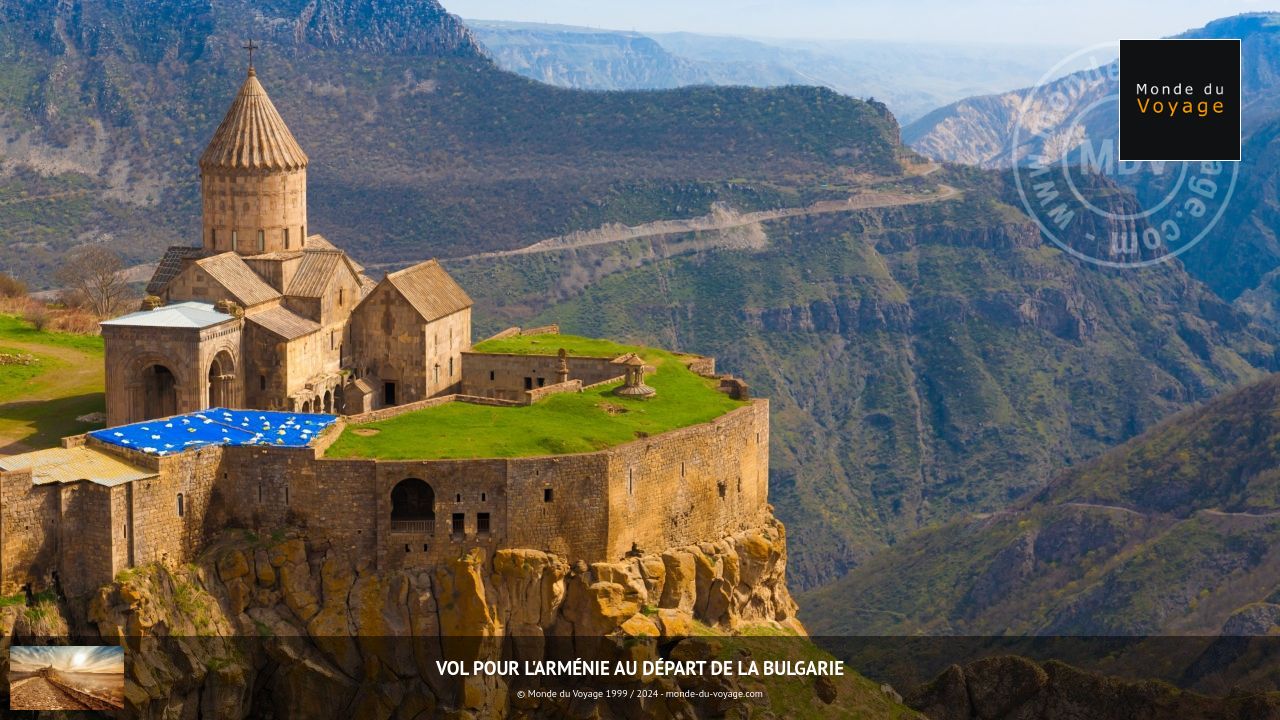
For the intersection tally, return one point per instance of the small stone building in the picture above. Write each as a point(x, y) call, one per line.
point(265, 315)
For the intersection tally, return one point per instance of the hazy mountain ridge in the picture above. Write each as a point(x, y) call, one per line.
point(419, 145)
point(979, 130)
point(1173, 533)
point(911, 78)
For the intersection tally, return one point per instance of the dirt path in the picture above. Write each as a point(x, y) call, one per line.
point(1254, 516)
point(720, 219)
point(1098, 506)
point(50, 196)
point(84, 368)
point(38, 693)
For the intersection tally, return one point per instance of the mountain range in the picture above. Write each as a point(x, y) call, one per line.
point(421, 147)
point(929, 356)
point(1176, 532)
point(980, 130)
point(911, 78)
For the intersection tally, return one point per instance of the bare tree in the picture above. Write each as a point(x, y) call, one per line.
point(97, 275)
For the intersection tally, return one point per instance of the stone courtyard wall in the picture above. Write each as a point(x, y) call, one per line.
point(28, 531)
point(687, 486)
point(502, 376)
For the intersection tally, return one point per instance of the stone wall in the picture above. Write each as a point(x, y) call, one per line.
point(392, 344)
point(28, 532)
point(679, 488)
point(688, 485)
point(245, 202)
point(188, 353)
point(85, 537)
point(508, 376)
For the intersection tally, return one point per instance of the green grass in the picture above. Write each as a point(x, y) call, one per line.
point(566, 423)
point(551, 344)
point(15, 328)
point(16, 379)
point(40, 403)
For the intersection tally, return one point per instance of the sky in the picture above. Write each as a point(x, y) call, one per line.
point(98, 659)
point(1036, 22)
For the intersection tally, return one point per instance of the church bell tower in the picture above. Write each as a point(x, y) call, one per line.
point(253, 179)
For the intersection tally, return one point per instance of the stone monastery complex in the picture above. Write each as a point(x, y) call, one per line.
point(256, 350)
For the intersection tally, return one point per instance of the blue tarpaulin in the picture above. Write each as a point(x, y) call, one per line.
point(217, 426)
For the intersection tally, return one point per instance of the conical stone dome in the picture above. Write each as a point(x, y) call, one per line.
point(253, 136)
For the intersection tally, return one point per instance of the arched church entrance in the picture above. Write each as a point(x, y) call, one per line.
point(413, 507)
point(159, 391)
point(222, 380)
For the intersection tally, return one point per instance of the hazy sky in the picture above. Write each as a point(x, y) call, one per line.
point(78, 658)
point(1040, 22)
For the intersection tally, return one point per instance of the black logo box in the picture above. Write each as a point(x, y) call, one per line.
point(1190, 64)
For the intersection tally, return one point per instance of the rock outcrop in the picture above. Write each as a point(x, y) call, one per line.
point(1011, 687)
point(302, 628)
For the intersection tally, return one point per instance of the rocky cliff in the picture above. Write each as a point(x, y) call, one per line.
point(1014, 687)
point(288, 626)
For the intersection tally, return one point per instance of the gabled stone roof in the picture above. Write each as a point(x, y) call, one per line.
point(253, 136)
point(430, 290)
point(314, 273)
point(170, 265)
point(234, 274)
point(283, 322)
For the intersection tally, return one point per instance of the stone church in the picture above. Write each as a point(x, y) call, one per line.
point(264, 314)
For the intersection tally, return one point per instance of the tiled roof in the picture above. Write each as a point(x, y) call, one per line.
point(178, 315)
point(63, 465)
point(318, 242)
point(170, 265)
point(231, 271)
point(253, 136)
point(283, 322)
point(430, 290)
point(314, 273)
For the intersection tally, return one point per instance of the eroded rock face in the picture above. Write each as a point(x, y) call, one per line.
point(316, 634)
point(1009, 688)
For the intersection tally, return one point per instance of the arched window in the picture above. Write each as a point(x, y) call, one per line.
point(262, 241)
point(181, 508)
point(413, 507)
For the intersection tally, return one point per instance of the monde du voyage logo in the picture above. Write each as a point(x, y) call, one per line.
point(1131, 162)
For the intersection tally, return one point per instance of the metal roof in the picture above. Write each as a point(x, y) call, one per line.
point(64, 465)
point(178, 315)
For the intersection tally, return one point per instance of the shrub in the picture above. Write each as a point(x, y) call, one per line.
point(38, 315)
point(11, 287)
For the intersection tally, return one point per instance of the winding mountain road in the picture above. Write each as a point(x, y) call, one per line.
point(720, 219)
